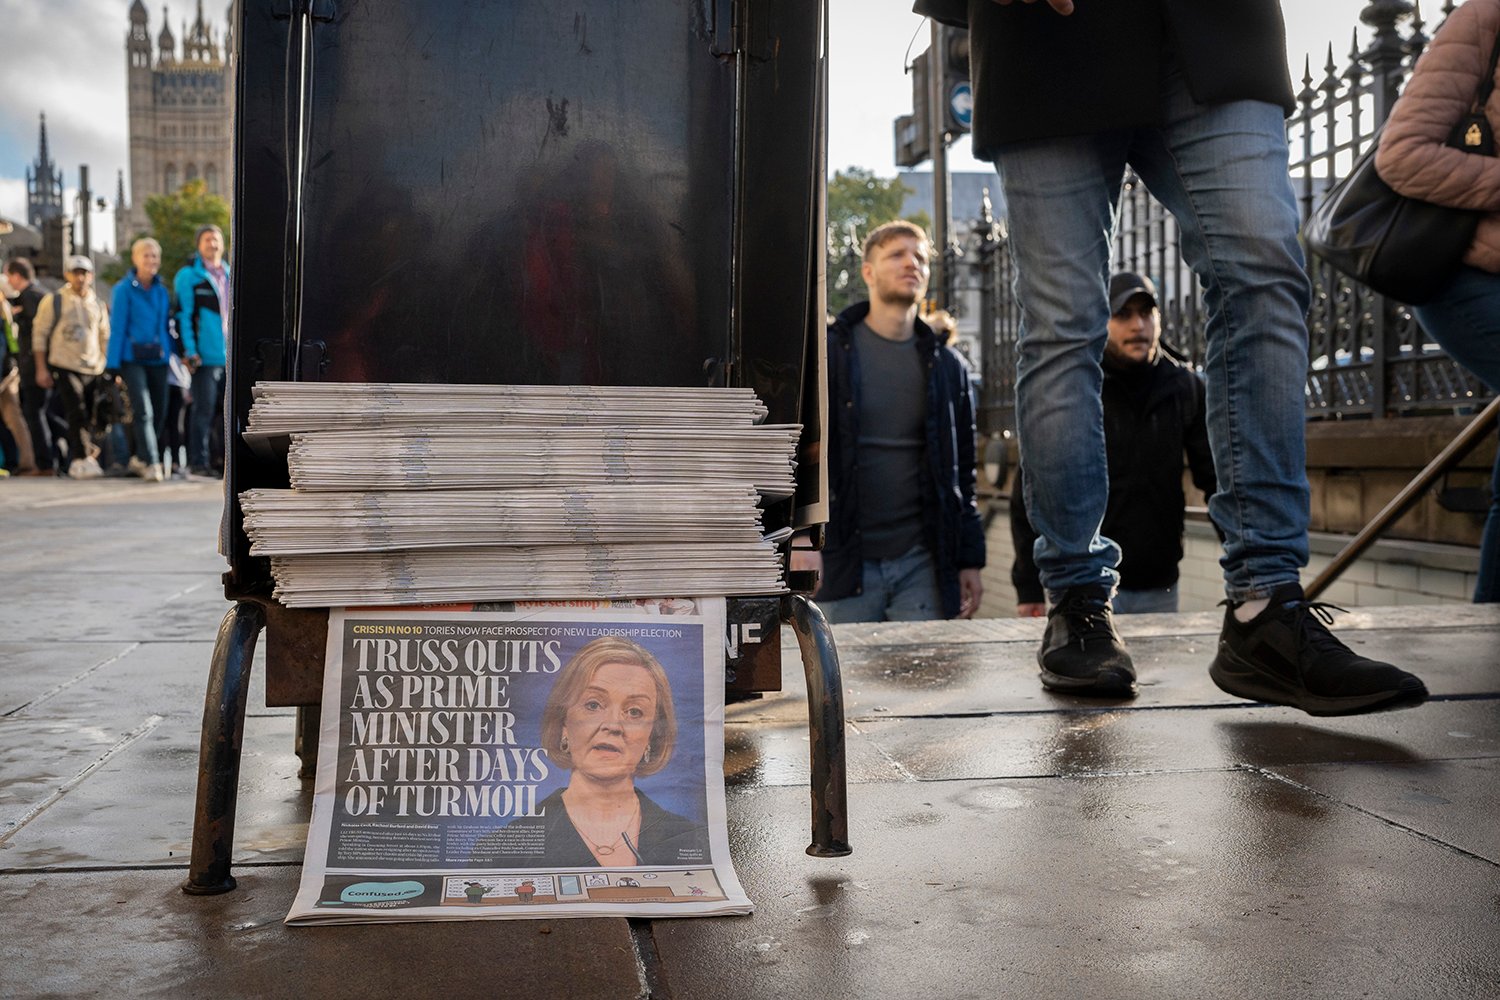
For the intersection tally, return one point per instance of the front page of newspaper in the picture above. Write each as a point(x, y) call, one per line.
point(553, 761)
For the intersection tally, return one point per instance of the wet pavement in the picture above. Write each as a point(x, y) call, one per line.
point(1008, 842)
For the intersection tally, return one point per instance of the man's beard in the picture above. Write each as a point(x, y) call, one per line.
point(1120, 359)
point(904, 300)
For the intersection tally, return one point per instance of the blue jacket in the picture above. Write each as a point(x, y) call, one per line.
point(139, 318)
point(952, 526)
point(198, 317)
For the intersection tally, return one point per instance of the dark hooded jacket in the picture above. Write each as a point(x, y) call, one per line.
point(1153, 416)
point(952, 526)
point(1037, 74)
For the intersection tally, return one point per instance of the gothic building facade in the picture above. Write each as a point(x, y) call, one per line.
point(180, 106)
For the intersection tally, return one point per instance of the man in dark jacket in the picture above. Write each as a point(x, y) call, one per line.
point(21, 277)
point(905, 541)
point(1153, 416)
point(1192, 95)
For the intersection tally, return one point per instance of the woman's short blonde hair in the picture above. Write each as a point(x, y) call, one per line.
point(144, 241)
point(576, 675)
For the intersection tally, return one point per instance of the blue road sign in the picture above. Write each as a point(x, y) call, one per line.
point(961, 104)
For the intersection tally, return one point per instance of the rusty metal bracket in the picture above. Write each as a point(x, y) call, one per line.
point(825, 716)
point(219, 751)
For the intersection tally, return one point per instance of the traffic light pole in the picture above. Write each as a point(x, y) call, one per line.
point(940, 287)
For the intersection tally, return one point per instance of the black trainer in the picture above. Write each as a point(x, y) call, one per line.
point(1081, 651)
point(1286, 655)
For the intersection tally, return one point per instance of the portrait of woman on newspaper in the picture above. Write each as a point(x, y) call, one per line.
point(608, 720)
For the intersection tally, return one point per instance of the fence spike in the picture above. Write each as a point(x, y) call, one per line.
point(1331, 74)
point(1308, 94)
point(1417, 41)
point(1355, 73)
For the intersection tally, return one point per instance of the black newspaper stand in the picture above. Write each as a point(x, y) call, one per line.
point(522, 192)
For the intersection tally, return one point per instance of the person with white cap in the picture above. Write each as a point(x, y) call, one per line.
point(69, 344)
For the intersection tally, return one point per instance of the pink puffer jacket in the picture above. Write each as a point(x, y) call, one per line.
point(1413, 157)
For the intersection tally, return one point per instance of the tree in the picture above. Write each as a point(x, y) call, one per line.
point(858, 201)
point(175, 219)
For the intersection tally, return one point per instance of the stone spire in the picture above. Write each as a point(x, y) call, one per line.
point(44, 184)
point(165, 42)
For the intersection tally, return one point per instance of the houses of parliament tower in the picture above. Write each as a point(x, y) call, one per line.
point(180, 114)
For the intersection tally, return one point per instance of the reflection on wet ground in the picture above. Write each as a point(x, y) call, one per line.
point(1007, 842)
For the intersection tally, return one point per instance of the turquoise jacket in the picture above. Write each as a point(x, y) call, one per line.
point(198, 318)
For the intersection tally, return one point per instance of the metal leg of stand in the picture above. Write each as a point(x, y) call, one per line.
point(308, 719)
point(219, 752)
point(825, 715)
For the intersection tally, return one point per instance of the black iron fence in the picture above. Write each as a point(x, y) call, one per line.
point(1368, 357)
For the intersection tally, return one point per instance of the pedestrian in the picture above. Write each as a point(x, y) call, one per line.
point(1153, 418)
point(202, 293)
point(1415, 160)
point(905, 540)
point(69, 345)
point(18, 451)
point(179, 401)
point(21, 277)
point(139, 352)
point(1192, 96)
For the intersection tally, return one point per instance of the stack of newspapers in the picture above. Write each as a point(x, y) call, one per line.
point(429, 494)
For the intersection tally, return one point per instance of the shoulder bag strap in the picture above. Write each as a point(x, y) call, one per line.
point(56, 319)
point(1487, 85)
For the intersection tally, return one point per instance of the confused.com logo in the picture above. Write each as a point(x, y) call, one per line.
point(380, 892)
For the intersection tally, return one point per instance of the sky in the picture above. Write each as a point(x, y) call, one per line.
point(67, 58)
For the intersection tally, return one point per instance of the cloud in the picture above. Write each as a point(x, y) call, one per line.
point(13, 198)
point(67, 58)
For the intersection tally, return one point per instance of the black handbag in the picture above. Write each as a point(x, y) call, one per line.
point(145, 351)
point(1401, 247)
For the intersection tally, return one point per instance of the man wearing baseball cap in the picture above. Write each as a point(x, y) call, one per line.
point(69, 342)
point(1153, 416)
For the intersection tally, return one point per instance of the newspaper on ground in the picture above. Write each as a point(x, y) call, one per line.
point(550, 760)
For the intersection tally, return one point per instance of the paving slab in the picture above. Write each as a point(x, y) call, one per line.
point(136, 807)
point(1008, 842)
point(1452, 801)
point(129, 606)
point(165, 678)
point(134, 934)
point(961, 676)
point(34, 670)
point(1129, 741)
point(1217, 884)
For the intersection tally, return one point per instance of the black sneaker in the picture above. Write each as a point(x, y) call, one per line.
point(1081, 651)
point(1286, 655)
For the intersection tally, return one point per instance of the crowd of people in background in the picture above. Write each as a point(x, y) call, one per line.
point(129, 387)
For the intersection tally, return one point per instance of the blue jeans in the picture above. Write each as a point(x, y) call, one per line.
point(1222, 171)
point(900, 589)
point(1145, 602)
point(147, 385)
point(208, 382)
point(1465, 320)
